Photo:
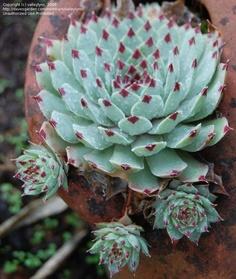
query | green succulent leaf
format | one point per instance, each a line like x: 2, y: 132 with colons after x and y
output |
x: 172, y: 167
x: 144, y: 182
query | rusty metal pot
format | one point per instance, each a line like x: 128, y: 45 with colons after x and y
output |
x: 216, y: 255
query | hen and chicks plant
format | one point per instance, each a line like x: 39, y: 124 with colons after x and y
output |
x: 132, y: 97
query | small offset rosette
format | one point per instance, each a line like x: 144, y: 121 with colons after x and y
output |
x: 119, y: 245
x: 41, y: 168
x: 185, y: 210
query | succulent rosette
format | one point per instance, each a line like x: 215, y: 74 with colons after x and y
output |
x: 185, y: 210
x: 42, y: 168
x: 119, y: 245
x: 130, y: 96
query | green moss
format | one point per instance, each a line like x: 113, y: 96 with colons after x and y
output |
x: 11, y: 196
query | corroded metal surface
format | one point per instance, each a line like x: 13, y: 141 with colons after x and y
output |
x: 215, y: 256
x: 90, y: 202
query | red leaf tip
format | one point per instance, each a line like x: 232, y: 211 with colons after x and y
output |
x: 137, y: 54
x: 177, y: 86
x: 131, y: 33
x: 133, y: 119
x: 53, y: 123
x: 174, y: 115
x: 149, y: 42
x: 171, y: 68
x: 75, y: 53
x: 150, y: 147
x: 37, y: 98
x: 79, y: 135
x: 83, y: 103
x: 105, y: 35
x: 106, y: 103
x: 204, y: 91
x: 121, y: 48
x: 62, y: 91
x: 124, y: 93
x: 51, y: 66
x: 109, y: 133
x: 37, y: 69
x: 227, y: 128
x: 98, y: 51
x: 147, y: 99
x: 147, y: 26
x: 167, y: 38
x: 125, y: 167
x: 194, y: 64
x: 202, y: 178
x: 83, y: 73
x: 176, y: 50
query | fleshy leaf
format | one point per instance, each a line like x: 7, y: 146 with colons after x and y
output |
x: 111, y: 110
x: 90, y: 136
x: 49, y: 136
x: 149, y: 107
x: 47, y: 102
x: 114, y: 135
x: 63, y: 126
x: 201, y: 141
x: 135, y: 125
x: 221, y: 127
x: 72, y: 98
x: 148, y: 145
x: 75, y: 154
x: 167, y: 124
x: 125, y: 159
x: 172, y: 167
x: 124, y: 100
x: 144, y: 182
x: 60, y: 75
x: 100, y: 160
x: 182, y: 135
x: 195, y: 171
x: 43, y: 77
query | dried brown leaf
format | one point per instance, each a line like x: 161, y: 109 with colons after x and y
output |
x: 217, y: 186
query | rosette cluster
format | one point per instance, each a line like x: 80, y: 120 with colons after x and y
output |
x: 130, y: 96
x: 185, y: 210
x: 42, y: 171
x: 119, y: 245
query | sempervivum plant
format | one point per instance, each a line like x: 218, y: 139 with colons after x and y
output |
x: 133, y: 96
x: 185, y: 210
x: 130, y: 96
x: 42, y: 169
x: 119, y: 245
